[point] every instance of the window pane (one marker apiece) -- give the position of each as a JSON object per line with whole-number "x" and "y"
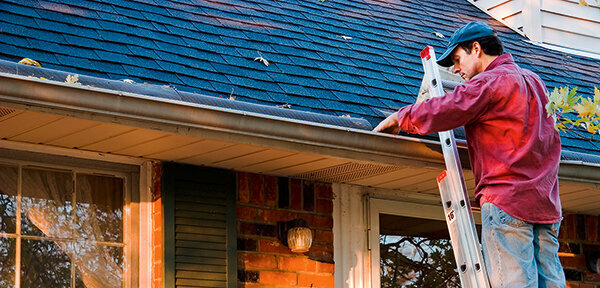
{"x": 99, "y": 207}
{"x": 44, "y": 265}
{"x": 7, "y": 262}
{"x": 8, "y": 199}
{"x": 416, "y": 252}
{"x": 110, "y": 274}
{"x": 46, "y": 203}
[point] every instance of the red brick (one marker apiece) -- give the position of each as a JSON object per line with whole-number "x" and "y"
{"x": 279, "y": 278}
{"x": 321, "y": 251}
{"x": 246, "y": 213}
{"x": 591, "y": 277}
{"x": 275, "y": 215}
{"x": 323, "y": 236}
{"x": 323, "y": 267}
{"x": 324, "y": 206}
{"x": 297, "y": 264}
{"x": 259, "y": 261}
{"x": 295, "y": 194}
{"x": 317, "y": 221}
{"x": 257, "y": 189}
{"x": 313, "y": 280}
{"x": 156, "y": 181}
{"x": 570, "y": 219}
{"x": 157, "y": 283}
{"x": 579, "y": 285}
{"x": 324, "y": 191}
{"x": 272, "y": 246}
{"x": 591, "y": 228}
{"x": 157, "y": 236}
{"x": 573, "y": 262}
{"x": 243, "y": 189}
{"x": 271, "y": 191}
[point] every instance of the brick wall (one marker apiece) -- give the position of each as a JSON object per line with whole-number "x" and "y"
{"x": 263, "y": 261}
{"x": 579, "y": 234}
{"x": 156, "y": 226}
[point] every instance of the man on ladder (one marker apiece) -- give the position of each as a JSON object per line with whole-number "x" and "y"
{"x": 514, "y": 152}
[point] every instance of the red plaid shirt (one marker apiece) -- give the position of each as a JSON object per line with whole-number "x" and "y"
{"x": 513, "y": 147}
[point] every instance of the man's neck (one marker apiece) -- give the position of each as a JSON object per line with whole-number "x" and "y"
{"x": 486, "y": 60}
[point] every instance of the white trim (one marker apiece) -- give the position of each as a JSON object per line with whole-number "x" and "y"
{"x": 399, "y": 208}
{"x": 145, "y": 223}
{"x": 351, "y": 255}
{"x": 59, "y": 151}
{"x": 392, "y": 207}
{"x": 565, "y": 50}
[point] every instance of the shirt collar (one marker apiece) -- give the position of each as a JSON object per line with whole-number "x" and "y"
{"x": 505, "y": 58}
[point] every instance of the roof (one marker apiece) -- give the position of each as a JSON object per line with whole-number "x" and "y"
{"x": 356, "y": 58}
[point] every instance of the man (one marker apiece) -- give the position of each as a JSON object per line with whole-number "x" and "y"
{"x": 514, "y": 152}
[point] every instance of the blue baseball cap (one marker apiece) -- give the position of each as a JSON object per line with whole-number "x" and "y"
{"x": 471, "y": 31}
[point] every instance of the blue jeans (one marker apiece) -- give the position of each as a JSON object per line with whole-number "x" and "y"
{"x": 518, "y": 253}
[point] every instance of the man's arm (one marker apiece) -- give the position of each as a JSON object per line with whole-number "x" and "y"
{"x": 455, "y": 109}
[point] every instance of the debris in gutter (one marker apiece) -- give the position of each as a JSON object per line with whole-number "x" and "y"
{"x": 346, "y": 37}
{"x": 73, "y": 79}
{"x": 231, "y": 97}
{"x": 345, "y": 116}
{"x": 438, "y": 34}
{"x": 285, "y": 106}
{"x": 261, "y": 59}
{"x": 128, "y": 81}
{"x": 30, "y": 62}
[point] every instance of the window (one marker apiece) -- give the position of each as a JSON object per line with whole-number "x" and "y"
{"x": 413, "y": 245}
{"x": 62, "y": 227}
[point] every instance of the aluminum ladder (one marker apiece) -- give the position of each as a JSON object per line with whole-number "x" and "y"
{"x": 453, "y": 190}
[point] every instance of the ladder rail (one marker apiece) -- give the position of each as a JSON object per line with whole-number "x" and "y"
{"x": 453, "y": 191}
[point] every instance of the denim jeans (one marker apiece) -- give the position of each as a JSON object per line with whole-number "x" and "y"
{"x": 518, "y": 253}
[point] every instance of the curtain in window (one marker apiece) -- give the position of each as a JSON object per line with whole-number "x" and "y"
{"x": 47, "y": 208}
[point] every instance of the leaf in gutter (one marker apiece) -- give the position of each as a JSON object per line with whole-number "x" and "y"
{"x": 231, "y": 97}
{"x": 73, "y": 79}
{"x": 583, "y": 3}
{"x": 345, "y": 116}
{"x": 285, "y": 106}
{"x": 128, "y": 81}
{"x": 346, "y": 37}
{"x": 30, "y": 62}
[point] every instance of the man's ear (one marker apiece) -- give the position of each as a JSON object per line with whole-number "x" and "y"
{"x": 476, "y": 48}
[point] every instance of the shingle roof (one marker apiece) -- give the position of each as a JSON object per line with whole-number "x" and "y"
{"x": 209, "y": 47}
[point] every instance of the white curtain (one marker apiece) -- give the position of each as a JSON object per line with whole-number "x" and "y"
{"x": 47, "y": 203}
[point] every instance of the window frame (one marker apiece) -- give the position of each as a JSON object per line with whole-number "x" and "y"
{"x": 130, "y": 174}
{"x": 397, "y": 208}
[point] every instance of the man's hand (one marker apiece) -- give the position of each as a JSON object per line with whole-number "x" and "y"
{"x": 389, "y": 125}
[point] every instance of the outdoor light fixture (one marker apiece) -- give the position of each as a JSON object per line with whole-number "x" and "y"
{"x": 295, "y": 234}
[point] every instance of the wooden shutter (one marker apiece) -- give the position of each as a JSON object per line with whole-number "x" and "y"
{"x": 200, "y": 232}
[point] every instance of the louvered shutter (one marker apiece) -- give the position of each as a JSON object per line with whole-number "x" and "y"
{"x": 199, "y": 222}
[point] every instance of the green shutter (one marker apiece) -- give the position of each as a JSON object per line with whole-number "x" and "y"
{"x": 199, "y": 227}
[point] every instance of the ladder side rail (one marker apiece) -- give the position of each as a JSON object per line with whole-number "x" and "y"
{"x": 454, "y": 193}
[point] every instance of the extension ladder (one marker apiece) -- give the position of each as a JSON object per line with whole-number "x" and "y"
{"x": 453, "y": 190}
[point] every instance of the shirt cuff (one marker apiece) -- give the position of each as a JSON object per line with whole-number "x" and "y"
{"x": 404, "y": 120}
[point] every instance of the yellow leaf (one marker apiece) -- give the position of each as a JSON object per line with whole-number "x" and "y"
{"x": 583, "y": 3}
{"x": 587, "y": 108}
{"x": 30, "y": 62}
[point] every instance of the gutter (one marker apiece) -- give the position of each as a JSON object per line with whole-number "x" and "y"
{"x": 175, "y": 116}
{"x": 199, "y": 120}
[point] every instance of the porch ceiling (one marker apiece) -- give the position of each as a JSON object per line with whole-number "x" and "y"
{"x": 47, "y": 129}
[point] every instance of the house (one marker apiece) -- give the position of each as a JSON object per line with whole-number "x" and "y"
{"x": 167, "y": 143}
